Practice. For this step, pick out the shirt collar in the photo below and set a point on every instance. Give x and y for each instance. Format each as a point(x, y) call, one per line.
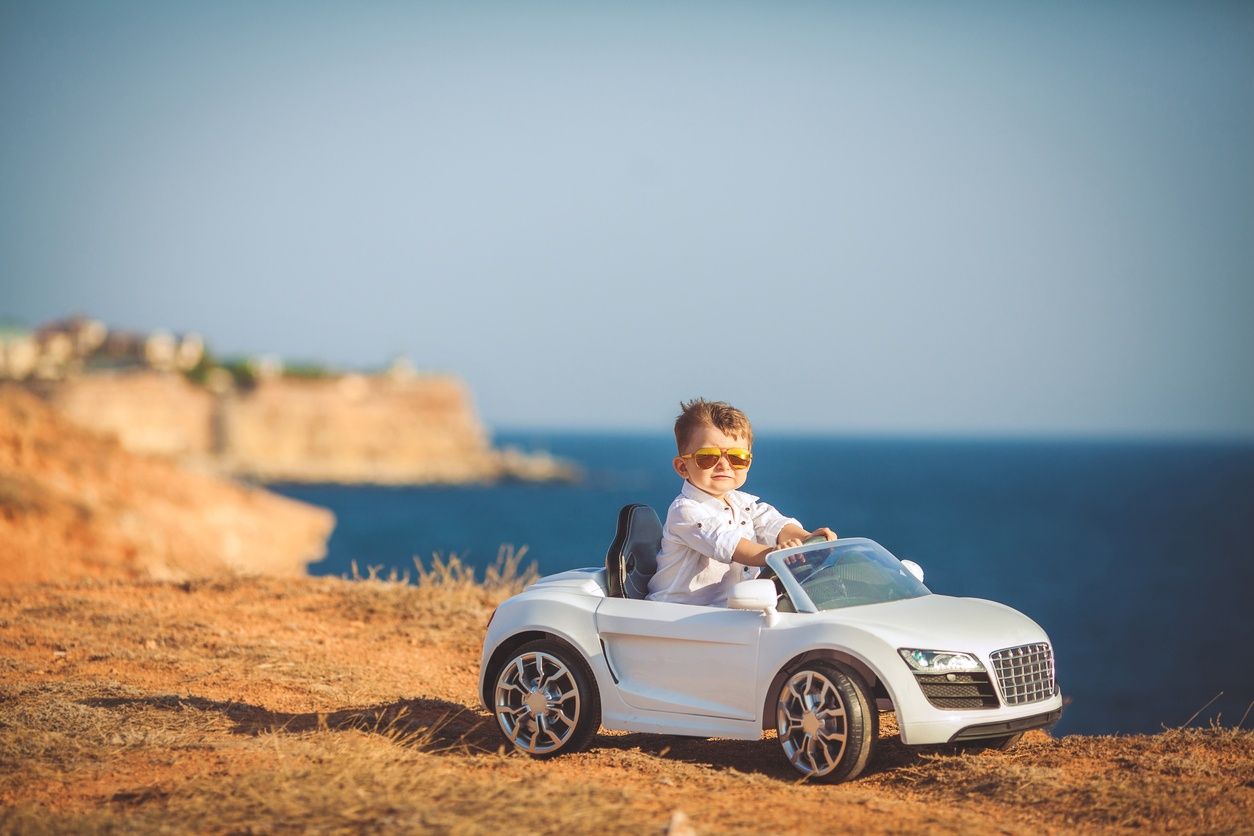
point(735, 497)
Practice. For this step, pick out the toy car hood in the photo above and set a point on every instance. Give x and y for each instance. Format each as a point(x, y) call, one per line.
point(969, 624)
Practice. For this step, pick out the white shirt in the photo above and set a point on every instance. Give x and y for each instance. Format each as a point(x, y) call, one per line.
point(702, 532)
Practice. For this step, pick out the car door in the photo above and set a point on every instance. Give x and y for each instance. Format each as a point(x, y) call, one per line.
point(682, 658)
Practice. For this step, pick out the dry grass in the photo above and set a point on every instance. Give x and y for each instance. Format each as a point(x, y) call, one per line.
point(335, 705)
point(447, 596)
point(1184, 779)
point(506, 574)
point(197, 776)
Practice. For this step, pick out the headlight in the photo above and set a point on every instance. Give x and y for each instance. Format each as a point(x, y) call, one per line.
point(939, 661)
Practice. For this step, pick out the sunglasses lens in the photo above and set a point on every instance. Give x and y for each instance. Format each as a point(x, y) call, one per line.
point(705, 459)
point(739, 459)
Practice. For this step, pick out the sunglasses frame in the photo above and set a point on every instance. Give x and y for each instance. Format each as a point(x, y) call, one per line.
point(722, 452)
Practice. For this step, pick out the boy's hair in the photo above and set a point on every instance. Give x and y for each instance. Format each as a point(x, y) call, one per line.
point(721, 416)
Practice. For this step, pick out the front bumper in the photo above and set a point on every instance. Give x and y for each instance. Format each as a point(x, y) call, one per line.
point(985, 731)
point(922, 724)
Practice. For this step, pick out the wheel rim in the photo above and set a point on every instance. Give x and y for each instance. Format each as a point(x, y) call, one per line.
point(812, 723)
point(537, 702)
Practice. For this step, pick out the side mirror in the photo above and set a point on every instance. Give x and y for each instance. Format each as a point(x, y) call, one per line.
point(755, 595)
point(914, 569)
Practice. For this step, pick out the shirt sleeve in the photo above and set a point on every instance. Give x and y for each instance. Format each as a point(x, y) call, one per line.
point(768, 523)
point(706, 533)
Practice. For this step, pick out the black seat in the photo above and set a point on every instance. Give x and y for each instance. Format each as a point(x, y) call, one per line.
point(632, 558)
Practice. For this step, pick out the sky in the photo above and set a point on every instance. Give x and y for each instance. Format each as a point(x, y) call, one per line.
point(972, 219)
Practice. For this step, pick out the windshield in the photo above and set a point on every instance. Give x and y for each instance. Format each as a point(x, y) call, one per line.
point(843, 573)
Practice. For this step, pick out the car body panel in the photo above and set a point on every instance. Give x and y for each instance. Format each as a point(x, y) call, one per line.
point(660, 653)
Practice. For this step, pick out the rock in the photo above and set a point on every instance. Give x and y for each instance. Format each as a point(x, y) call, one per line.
point(679, 825)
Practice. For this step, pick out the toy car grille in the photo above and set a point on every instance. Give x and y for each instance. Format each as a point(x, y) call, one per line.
point(958, 690)
point(1025, 673)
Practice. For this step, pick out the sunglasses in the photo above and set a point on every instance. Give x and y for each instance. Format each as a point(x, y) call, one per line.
point(738, 457)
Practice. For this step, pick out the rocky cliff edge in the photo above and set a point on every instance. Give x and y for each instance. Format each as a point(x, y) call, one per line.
point(74, 504)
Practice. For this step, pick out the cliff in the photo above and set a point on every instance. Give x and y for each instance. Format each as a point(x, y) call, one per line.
point(74, 504)
point(148, 412)
point(386, 428)
point(355, 428)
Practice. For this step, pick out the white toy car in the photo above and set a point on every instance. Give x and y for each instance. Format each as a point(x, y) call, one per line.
point(843, 631)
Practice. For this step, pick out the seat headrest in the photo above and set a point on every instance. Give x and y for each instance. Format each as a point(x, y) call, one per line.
point(632, 557)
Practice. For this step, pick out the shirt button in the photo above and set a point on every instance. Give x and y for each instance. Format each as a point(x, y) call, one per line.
point(742, 522)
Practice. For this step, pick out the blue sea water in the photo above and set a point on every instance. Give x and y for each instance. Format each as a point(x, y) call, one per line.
point(1136, 558)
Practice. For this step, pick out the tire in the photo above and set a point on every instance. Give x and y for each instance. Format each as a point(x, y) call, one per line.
point(827, 722)
point(545, 700)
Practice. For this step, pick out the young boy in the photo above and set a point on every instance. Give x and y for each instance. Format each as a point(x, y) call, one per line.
point(714, 533)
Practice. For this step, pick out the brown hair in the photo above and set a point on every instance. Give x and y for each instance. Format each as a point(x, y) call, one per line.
point(721, 416)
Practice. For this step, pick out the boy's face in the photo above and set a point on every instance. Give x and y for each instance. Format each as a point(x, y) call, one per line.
point(720, 479)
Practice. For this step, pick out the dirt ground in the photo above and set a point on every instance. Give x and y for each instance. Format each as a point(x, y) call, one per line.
point(263, 705)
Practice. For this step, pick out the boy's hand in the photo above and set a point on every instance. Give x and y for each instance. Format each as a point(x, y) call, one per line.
point(792, 559)
point(825, 533)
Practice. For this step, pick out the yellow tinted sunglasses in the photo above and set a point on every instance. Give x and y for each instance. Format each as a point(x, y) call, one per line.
point(738, 457)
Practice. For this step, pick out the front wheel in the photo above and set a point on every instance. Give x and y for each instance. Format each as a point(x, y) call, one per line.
point(827, 722)
point(545, 700)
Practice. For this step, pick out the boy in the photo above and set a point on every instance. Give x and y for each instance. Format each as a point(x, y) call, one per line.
point(714, 533)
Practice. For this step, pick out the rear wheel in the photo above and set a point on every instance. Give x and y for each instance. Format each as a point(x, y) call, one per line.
point(545, 700)
point(826, 721)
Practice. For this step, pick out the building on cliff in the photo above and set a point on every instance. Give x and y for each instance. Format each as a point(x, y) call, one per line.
point(77, 344)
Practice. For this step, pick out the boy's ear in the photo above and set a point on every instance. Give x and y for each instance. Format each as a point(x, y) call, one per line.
point(681, 466)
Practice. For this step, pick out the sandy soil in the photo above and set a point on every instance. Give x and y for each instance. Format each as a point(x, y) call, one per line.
point(250, 705)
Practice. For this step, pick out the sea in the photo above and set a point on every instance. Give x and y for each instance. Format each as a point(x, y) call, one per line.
point(1136, 557)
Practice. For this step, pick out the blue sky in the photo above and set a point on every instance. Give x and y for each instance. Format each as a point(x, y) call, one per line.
point(960, 218)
